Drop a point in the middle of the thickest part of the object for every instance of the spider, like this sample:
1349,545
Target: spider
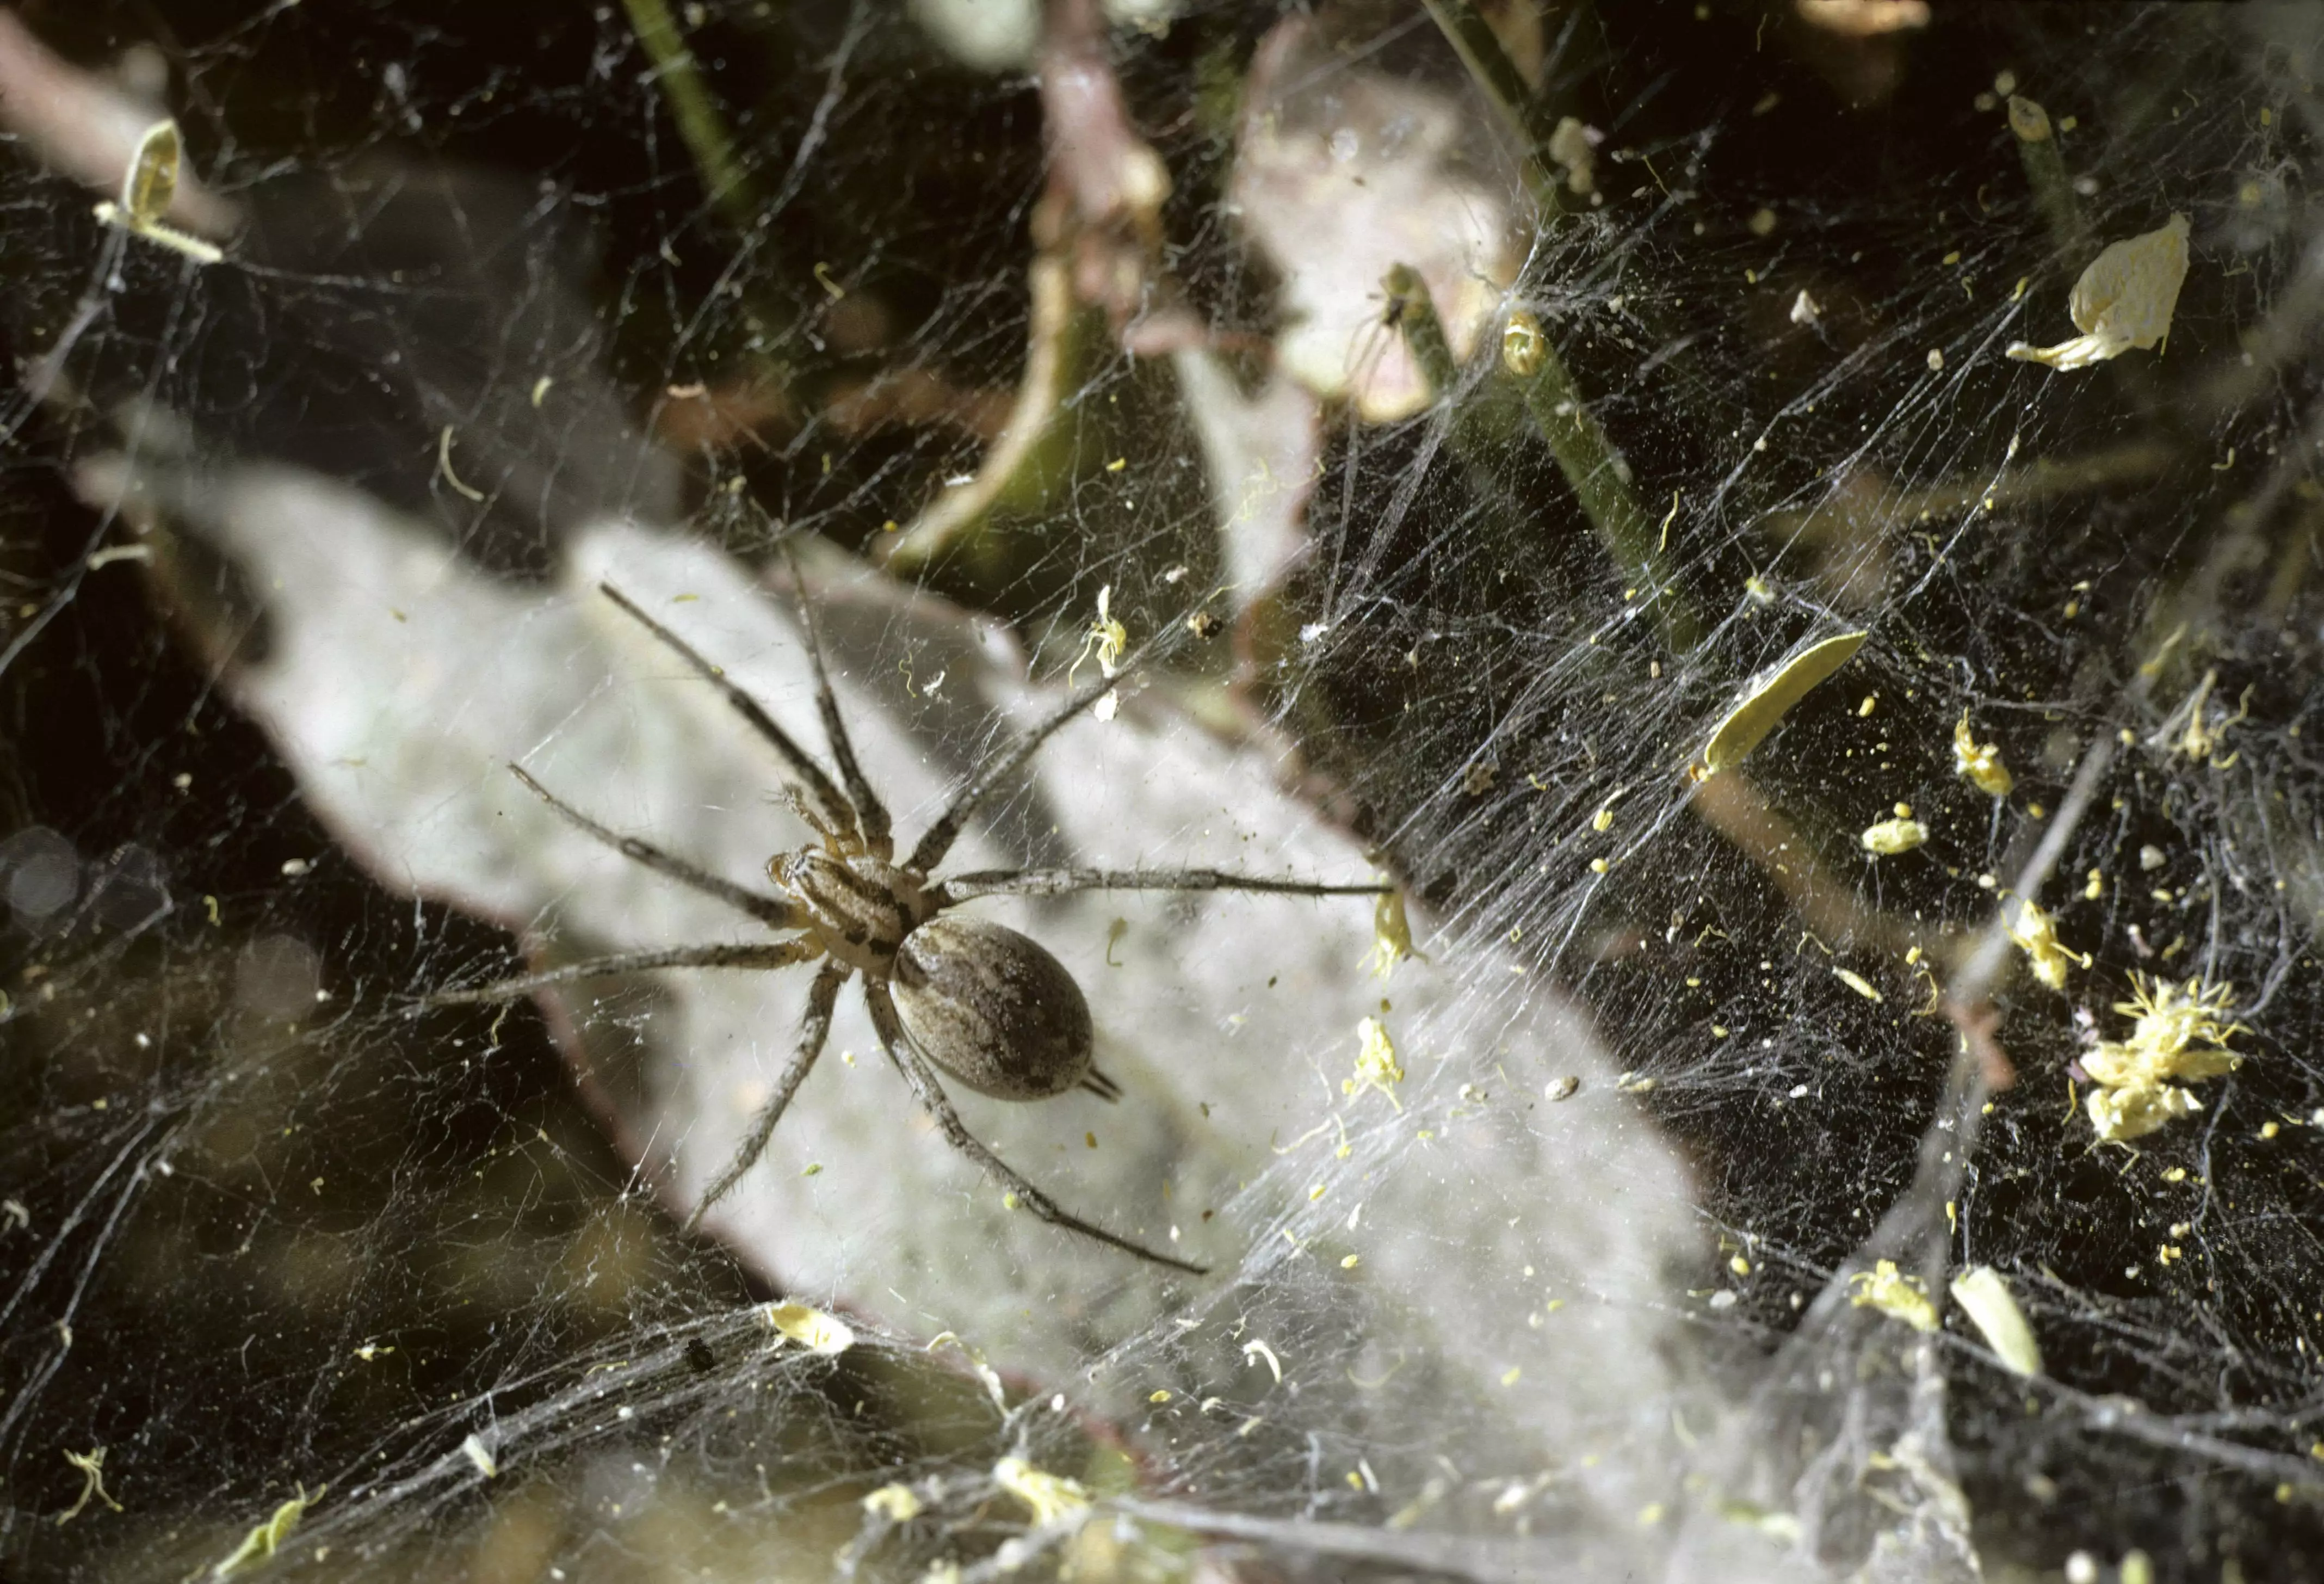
988,1006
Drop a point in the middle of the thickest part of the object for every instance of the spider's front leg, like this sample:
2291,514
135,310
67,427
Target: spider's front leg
931,1097
815,1028
754,955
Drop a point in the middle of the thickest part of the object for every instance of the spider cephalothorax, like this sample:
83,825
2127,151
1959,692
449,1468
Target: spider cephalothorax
985,1003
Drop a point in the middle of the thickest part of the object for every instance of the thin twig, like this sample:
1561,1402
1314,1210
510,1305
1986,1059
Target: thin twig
1032,451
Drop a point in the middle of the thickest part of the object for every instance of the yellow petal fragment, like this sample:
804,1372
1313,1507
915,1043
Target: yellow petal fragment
1376,1064
2037,933
266,1539
1769,698
811,1329
2123,301
2117,1115
1891,836
896,1502
1982,764
474,1450
1391,934
2178,1034
1052,1497
1859,982
1986,1298
1895,1294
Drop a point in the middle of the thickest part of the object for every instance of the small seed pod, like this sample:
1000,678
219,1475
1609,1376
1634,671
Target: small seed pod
1522,344
992,1008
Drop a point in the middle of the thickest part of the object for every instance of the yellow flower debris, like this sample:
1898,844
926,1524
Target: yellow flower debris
1767,701
265,1540
474,1450
1391,934
2123,301
1986,1298
91,1465
1376,1064
2037,932
1859,982
1894,1293
898,1503
148,190
811,1329
1053,1497
1981,765
2178,1035
1104,643
1891,836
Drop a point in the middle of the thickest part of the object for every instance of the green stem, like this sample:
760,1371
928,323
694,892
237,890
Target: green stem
698,121
2046,172
1424,333
1599,478
1504,87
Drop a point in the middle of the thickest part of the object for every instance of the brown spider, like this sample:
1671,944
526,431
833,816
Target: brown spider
990,1006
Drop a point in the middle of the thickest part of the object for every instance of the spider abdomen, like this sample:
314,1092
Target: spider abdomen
992,1008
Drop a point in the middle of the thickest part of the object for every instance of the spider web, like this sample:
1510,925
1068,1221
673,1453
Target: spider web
1237,315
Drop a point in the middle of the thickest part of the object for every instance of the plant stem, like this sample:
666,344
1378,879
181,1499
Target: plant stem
1504,87
1599,478
698,121
2046,172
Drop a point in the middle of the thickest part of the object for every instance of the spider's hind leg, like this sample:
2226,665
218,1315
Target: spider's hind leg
931,1097
1103,1086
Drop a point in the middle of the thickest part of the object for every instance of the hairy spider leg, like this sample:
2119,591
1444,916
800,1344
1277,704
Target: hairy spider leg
1058,881
772,911
815,1028
870,813
774,954
937,840
838,812
931,1096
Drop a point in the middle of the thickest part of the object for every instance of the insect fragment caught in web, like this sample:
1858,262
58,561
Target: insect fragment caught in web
984,1004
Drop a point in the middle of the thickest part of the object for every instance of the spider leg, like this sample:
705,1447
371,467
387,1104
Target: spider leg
1057,882
771,912
937,840
870,813
931,1097
825,796
1103,1086
815,1028
772,954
